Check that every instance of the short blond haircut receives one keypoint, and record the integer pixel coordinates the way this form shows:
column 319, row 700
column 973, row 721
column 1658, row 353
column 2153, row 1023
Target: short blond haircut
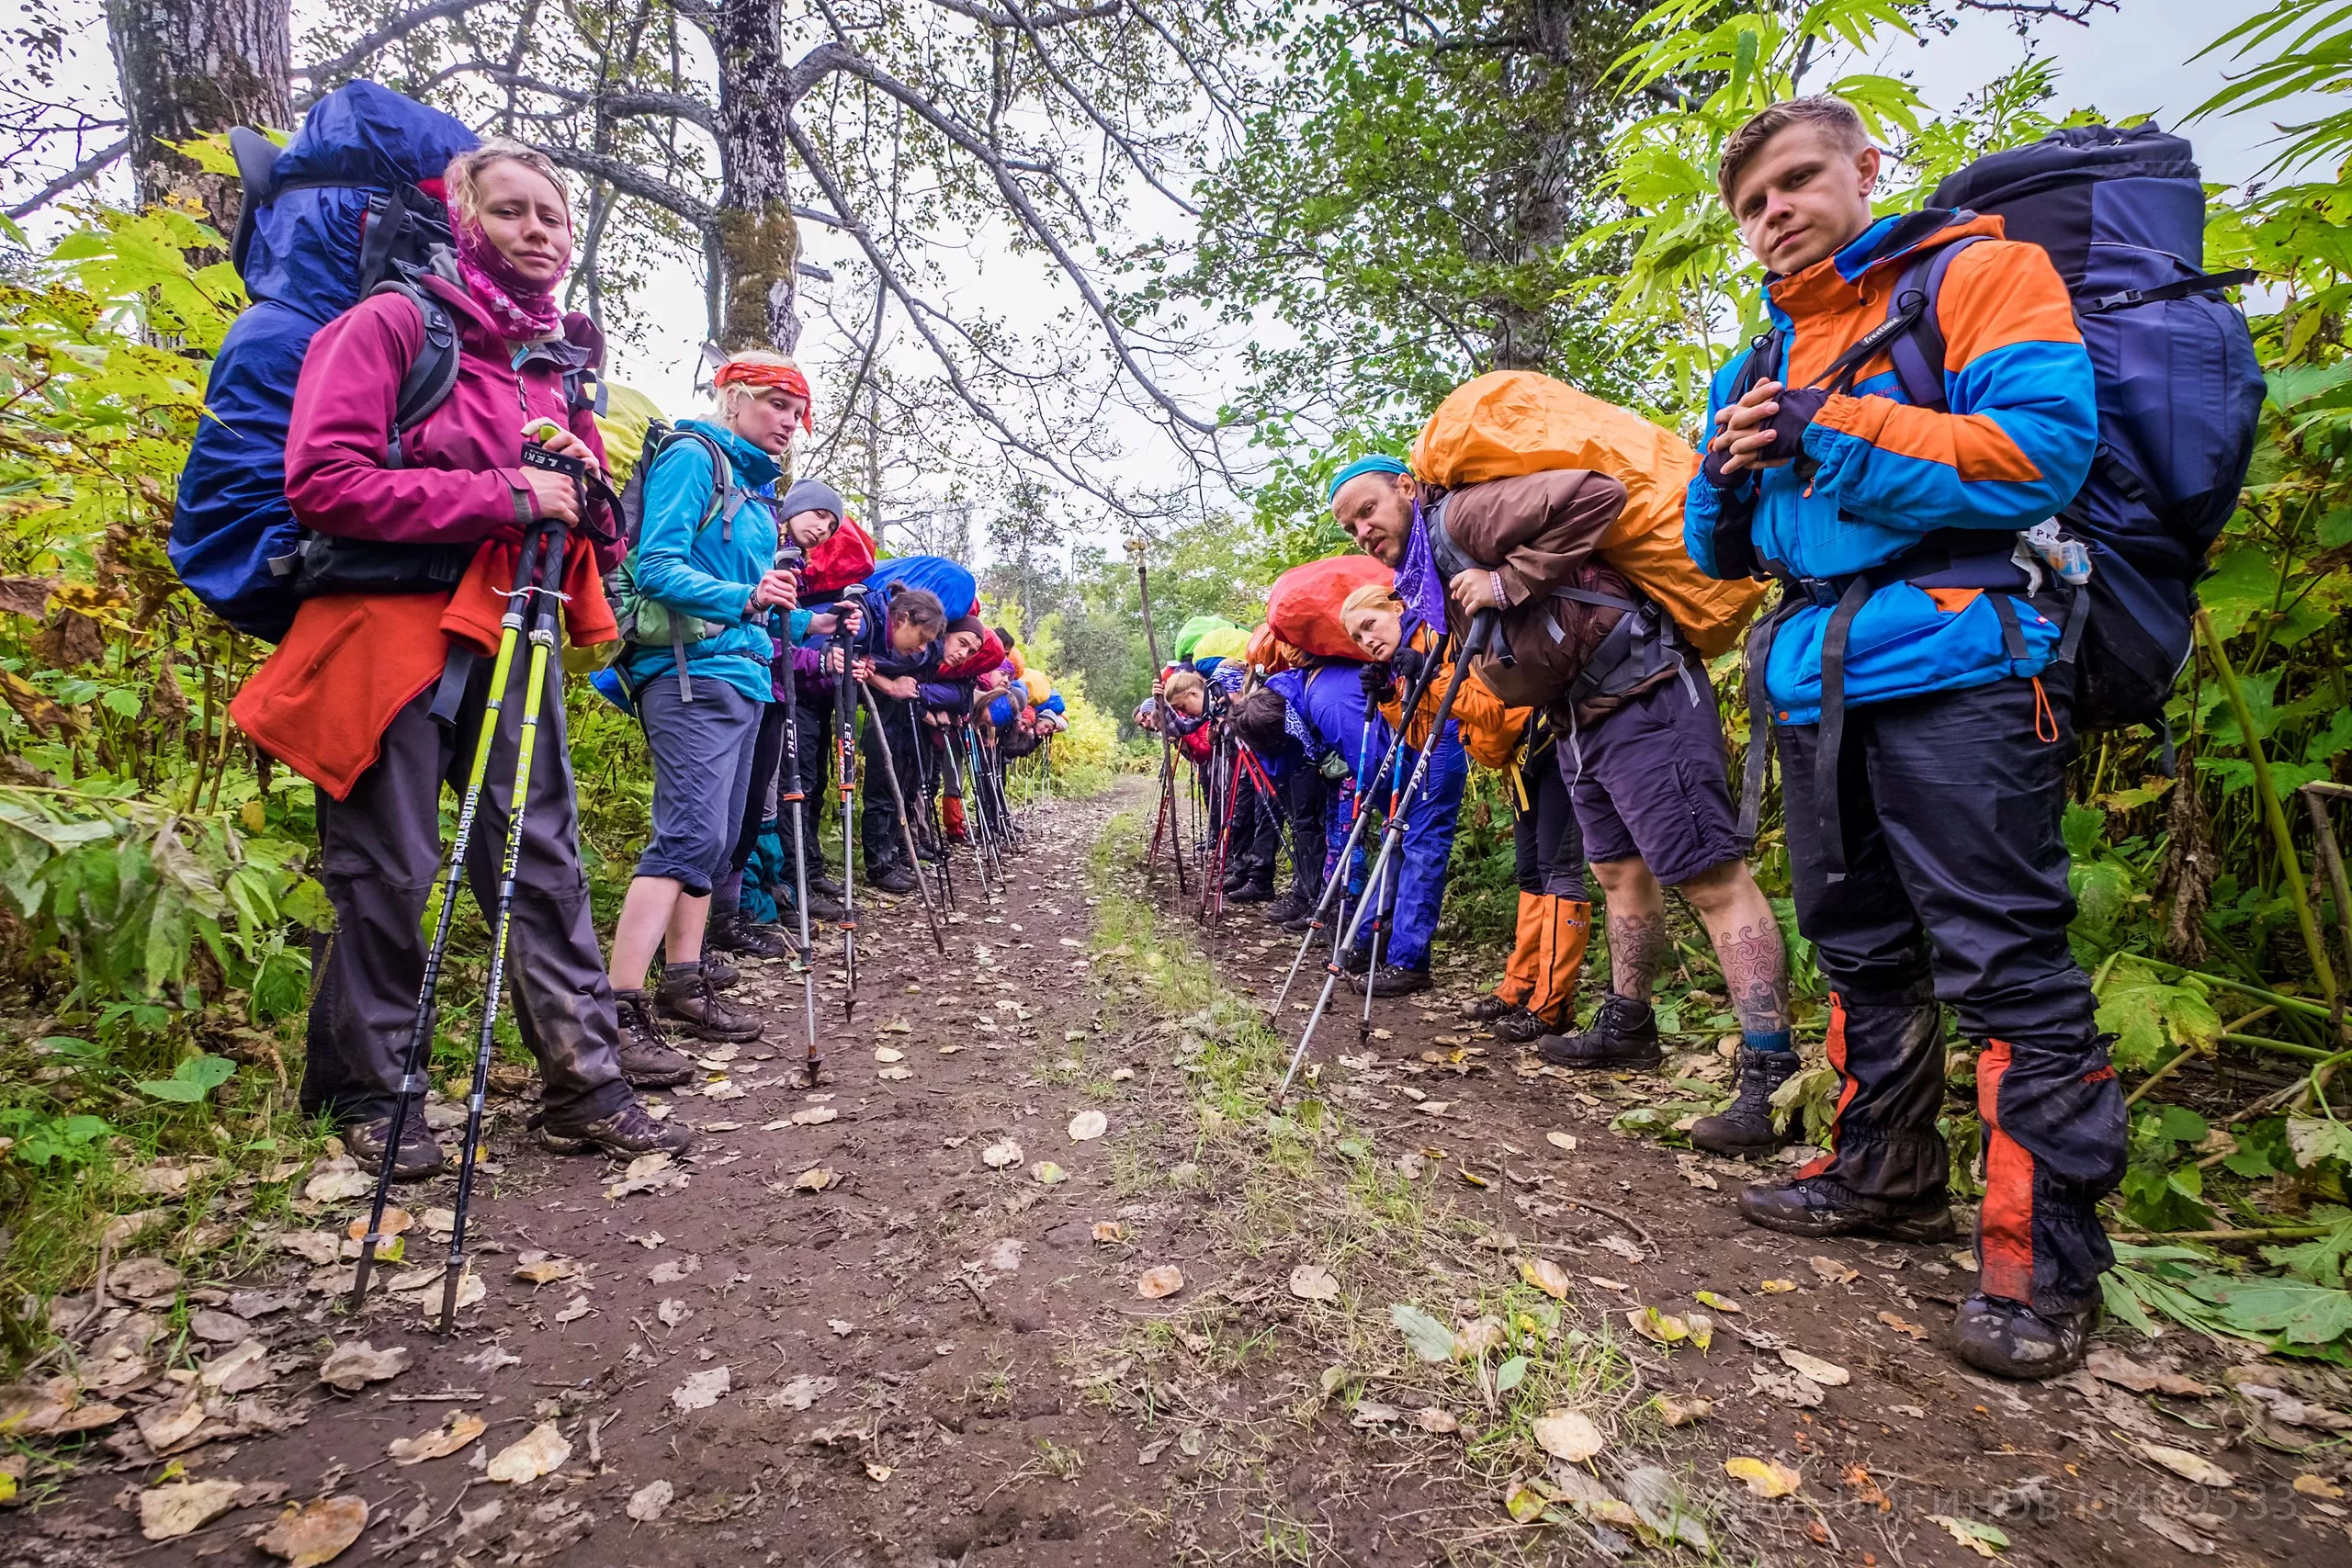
column 1371, row 596
column 460, row 182
column 1833, row 114
column 1185, row 680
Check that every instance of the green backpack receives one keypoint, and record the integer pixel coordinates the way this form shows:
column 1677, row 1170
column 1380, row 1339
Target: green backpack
column 646, row 621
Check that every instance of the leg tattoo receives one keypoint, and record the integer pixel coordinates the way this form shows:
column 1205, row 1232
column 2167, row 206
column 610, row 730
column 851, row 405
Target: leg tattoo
column 1637, row 949
column 1756, row 974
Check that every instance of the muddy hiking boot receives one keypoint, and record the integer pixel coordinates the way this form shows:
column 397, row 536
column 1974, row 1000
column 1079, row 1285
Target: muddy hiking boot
column 1524, row 1026
column 1393, row 980
column 693, row 1000
column 625, row 1134
column 1256, row 889
column 1816, row 1206
column 1744, row 1126
column 1624, row 1034
column 1288, row 907
column 1488, row 1008
column 648, row 1059
column 420, row 1153
column 735, row 934
column 2011, row 1339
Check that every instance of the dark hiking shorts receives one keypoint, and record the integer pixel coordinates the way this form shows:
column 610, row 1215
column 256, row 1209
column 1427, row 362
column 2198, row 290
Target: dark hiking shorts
column 1652, row 780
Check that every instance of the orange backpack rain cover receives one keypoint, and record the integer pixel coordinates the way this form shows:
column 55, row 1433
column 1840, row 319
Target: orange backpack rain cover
column 1509, row 422
column 1303, row 606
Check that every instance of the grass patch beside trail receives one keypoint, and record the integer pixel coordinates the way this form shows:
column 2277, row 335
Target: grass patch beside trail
column 1360, row 1304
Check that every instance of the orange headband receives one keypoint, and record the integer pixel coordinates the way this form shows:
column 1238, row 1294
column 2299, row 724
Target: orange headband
column 783, row 376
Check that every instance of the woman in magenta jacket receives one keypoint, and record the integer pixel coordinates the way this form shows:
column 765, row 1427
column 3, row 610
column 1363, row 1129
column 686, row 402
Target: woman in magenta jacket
column 373, row 697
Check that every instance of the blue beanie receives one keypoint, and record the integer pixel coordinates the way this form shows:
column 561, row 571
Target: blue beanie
column 811, row 495
column 1378, row 463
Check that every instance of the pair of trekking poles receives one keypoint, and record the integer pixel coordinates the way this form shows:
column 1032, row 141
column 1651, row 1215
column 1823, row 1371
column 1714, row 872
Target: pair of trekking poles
column 1392, row 835
column 531, row 617
column 848, row 690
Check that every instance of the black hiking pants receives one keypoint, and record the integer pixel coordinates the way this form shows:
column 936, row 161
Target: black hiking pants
column 380, row 856
column 1956, row 895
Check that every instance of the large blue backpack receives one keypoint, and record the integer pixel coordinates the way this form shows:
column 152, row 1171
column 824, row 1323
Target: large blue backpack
column 952, row 581
column 331, row 219
column 2121, row 213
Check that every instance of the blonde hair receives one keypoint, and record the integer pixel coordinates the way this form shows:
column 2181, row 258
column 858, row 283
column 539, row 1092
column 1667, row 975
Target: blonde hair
column 1834, row 116
column 730, row 397
column 1185, row 680
column 1371, row 596
column 461, row 180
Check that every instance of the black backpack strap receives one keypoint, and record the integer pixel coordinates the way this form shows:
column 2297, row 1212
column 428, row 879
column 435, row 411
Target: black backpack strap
column 426, row 383
column 2202, row 283
column 1911, row 334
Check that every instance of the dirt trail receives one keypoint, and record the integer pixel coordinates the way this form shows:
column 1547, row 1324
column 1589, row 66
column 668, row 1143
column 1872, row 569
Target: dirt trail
column 930, row 1356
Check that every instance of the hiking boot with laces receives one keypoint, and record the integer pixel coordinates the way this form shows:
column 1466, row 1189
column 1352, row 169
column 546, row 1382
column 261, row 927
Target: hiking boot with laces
column 1356, row 960
column 625, row 1134
column 2011, row 1339
column 419, row 1154
column 693, row 1000
column 1524, row 1026
column 736, row 934
column 822, row 880
column 648, row 1059
column 894, row 879
column 1258, row 889
column 1289, row 907
column 824, row 905
column 1744, row 1126
column 1393, row 980
column 1488, row 1008
column 1624, row 1034
column 1816, row 1206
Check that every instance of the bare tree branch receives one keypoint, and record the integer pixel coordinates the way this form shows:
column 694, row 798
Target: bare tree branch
column 1049, row 16
column 391, row 32
column 87, row 169
column 822, row 174
column 1034, row 221
column 630, row 180
column 1117, row 137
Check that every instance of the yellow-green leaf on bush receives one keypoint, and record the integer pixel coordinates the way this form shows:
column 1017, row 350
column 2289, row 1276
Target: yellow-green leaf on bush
column 2146, row 1013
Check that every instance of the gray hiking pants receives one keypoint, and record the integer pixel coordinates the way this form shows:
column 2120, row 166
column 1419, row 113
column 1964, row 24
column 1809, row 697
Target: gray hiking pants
column 381, row 855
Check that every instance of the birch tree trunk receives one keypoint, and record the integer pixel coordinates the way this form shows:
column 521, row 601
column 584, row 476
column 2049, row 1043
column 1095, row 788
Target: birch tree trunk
column 753, row 241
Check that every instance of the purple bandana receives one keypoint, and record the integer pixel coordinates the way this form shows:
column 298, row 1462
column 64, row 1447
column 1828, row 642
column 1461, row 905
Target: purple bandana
column 1418, row 582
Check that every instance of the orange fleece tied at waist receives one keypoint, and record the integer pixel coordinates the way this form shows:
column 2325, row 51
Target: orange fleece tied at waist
column 322, row 702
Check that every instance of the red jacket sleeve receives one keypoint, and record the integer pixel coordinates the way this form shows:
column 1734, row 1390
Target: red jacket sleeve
column 335, row 476
column 1198, row 745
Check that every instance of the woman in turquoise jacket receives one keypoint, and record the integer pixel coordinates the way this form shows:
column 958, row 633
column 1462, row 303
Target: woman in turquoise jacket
column 703, row 584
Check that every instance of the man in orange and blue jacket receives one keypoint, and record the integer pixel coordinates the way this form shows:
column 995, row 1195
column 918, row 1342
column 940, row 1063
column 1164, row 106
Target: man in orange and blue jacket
column 1922, row 708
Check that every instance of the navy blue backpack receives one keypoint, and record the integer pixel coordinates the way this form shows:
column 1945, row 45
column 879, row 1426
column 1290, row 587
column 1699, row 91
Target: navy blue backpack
column 2121, row 213
column 335, row 215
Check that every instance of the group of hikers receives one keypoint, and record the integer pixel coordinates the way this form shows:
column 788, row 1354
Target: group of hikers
column 1973, row 452
column 445, row 468
column 1981, row 550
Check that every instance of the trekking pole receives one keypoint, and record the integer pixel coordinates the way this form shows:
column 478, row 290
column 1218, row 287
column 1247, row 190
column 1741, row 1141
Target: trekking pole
column 898, row 801
column 935, row 817
column 1392, row 833
column 845, row 767
column 789, row 556
column 542, row 634
column 421, row 1027
column 975, row 822
column 1335, row 884
column 1167, row 745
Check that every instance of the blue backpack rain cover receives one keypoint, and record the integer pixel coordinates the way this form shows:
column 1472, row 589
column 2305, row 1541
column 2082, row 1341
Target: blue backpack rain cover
column 958, row 591
column 2122, row 214
column 322, row 225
